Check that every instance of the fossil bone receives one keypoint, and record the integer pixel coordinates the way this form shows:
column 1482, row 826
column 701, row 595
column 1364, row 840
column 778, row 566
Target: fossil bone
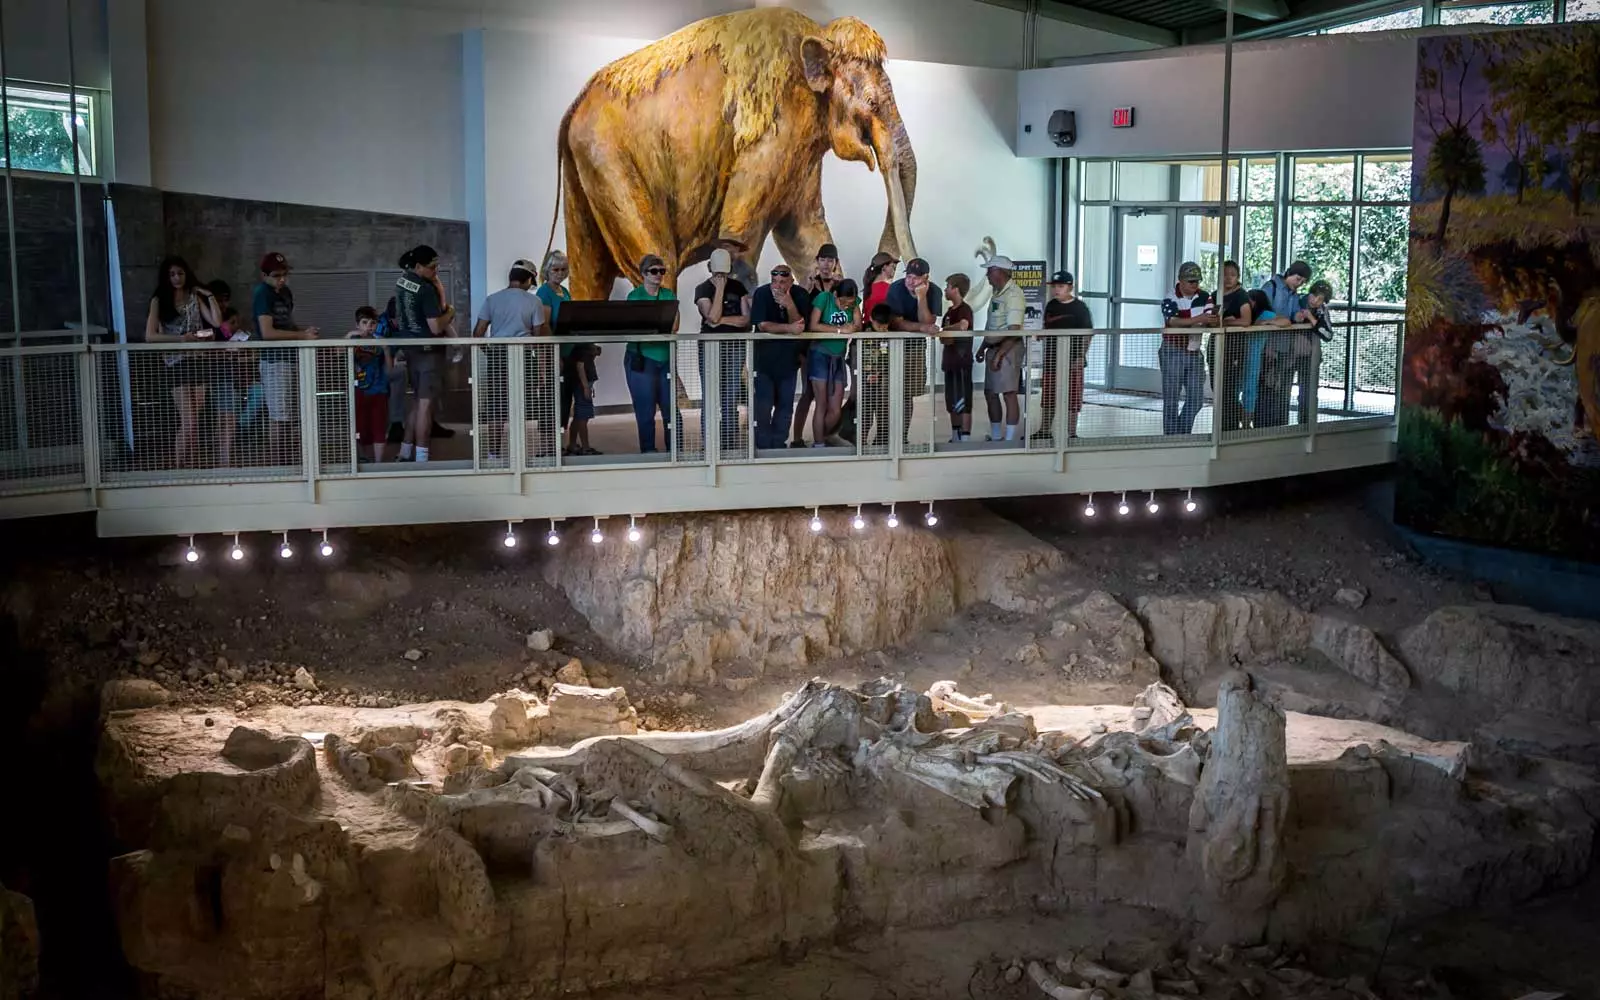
column 1053, row 987
column 656, row 829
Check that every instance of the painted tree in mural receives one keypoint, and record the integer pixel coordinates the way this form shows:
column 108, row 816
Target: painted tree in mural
column 1455, row 161
column 1550, row 85
column 1506, row 122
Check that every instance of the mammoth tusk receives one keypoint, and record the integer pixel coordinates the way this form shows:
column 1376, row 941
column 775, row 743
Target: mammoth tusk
column 1084, row 968
column 1569, row 359
column 986, row 249
column 657, row 830
column 1054, row 988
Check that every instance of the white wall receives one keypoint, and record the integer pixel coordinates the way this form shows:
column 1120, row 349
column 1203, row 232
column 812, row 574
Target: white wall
column 1329, row 92
column 970, row 184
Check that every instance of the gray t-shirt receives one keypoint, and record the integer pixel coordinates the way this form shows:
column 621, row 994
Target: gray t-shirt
column 512, row 312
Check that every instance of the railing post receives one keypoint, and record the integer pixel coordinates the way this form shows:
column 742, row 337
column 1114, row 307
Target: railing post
column 711, row 405
column 475, row 382
column 350, row 410
column 1399, row 367
column 1219, row 365
column 1314, row 388
column 749, row 377
column 897, row 404
column 1062, row 419
column 517, row 415
column 310, row 446
column 88, row 417
column 670, row 415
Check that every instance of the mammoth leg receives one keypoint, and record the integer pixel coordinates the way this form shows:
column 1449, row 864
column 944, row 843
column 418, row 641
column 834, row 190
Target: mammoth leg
column 593, row 269
column 802, row 232
column 625, row 210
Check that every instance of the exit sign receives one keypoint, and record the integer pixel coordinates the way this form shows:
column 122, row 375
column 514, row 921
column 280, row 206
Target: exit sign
column 1122, row 118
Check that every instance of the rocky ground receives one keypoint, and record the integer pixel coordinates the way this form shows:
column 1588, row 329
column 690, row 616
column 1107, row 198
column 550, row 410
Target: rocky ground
column 412, row 615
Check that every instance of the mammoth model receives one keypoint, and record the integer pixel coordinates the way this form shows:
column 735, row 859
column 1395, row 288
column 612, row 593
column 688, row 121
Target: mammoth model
column 715, row 135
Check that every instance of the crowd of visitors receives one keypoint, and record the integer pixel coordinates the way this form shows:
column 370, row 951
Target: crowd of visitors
column 837, row 387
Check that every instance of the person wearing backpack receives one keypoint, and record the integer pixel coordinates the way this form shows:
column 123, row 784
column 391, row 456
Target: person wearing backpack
column 1282, row 293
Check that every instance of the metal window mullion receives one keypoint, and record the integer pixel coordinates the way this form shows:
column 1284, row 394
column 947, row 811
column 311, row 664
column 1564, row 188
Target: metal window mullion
column 11, row 212
column 1350, row 308
column 309, row 444
column 77, row 177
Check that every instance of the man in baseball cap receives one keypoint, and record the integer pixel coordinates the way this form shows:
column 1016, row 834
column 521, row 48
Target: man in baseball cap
column 724, row 304
column 1002, row 350
column 272, row 309
column 1183, row 368
column 915, row 305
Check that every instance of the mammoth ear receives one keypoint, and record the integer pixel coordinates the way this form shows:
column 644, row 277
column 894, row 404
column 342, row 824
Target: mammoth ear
column 816, row 57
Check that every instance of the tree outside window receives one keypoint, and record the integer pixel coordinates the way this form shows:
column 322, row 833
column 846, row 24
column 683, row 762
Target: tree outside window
column 41, row 123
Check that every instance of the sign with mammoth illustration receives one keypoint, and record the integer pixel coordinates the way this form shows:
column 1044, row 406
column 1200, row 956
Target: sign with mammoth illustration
column 715, row 135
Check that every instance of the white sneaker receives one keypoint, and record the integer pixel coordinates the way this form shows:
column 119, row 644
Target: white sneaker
column 835, row 441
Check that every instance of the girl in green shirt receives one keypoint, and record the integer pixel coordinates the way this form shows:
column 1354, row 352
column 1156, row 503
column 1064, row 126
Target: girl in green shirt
column 838, row 311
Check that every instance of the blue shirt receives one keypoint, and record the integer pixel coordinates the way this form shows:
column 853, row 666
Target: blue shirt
column 1283, row 299
column 372, row 378
column 279, row 304
column 904, row 304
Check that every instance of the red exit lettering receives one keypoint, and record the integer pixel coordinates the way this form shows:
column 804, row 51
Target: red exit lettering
column 1122, row 118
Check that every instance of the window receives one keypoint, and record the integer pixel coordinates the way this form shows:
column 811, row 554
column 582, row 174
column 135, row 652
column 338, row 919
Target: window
column 41, row 124
column 1583, row 10
column 1536, row 12
column 1395, row 21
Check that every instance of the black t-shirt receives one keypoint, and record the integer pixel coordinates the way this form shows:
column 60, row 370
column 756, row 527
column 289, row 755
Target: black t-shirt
column 775, row 356
column 1072, row 315
column 1233, row 302
column 733, row 294
column 416, row 301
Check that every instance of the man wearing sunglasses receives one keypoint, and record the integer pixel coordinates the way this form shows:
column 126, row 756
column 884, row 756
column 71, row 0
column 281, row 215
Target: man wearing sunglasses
column 780, row 307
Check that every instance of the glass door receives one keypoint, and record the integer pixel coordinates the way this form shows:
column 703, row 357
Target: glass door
column 1145, row 266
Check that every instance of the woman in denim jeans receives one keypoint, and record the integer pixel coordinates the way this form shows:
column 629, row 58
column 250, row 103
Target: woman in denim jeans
column 648, row 365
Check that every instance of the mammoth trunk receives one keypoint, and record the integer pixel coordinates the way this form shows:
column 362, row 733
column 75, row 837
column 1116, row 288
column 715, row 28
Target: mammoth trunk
column 892, row 146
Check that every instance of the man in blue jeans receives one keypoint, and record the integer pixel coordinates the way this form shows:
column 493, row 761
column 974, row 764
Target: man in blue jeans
column 1183, row 367
column 724, row 306
column 780, row 307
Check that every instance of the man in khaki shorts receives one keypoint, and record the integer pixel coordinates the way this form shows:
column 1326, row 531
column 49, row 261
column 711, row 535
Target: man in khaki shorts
column 1002, row 351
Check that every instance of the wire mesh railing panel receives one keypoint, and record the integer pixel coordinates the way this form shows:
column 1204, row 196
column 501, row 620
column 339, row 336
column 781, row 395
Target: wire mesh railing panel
column 41, row 423
column 1001, row 366
column 1275, row 376
column 1042, row 378
column 951, row 422
column 1150, row 397
column 873, row 424
column 920, row 402
column 1373, row 389
column 183, row 414
column 491, row 405
column 541, row 413
column 730, row 359
column 340, row 372
column 685, row 394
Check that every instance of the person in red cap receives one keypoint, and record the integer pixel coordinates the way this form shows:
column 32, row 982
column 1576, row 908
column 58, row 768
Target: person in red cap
column 272, row 306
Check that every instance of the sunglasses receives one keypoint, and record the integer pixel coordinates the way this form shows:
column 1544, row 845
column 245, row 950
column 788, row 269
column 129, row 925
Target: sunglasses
column 655, row 270
column 782, row 274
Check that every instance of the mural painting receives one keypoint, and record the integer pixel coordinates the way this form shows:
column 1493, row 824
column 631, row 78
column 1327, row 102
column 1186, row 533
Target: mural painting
column 1501, row 388
column 714, row 137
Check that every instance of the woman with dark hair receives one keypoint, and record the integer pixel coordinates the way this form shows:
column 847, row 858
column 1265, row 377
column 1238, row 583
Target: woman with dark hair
column 183, row 310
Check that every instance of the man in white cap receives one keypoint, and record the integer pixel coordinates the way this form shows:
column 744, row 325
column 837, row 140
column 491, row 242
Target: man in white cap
column 1002, row 350
column 514, row 311
column 724, row 304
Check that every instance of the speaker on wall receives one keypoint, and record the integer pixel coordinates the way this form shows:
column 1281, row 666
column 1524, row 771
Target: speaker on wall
column 1063, row 127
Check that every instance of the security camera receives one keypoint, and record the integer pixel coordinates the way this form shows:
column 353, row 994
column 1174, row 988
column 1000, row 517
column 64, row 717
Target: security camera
column 1063, row 127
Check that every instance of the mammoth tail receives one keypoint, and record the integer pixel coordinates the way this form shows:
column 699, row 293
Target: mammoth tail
column 561, row 161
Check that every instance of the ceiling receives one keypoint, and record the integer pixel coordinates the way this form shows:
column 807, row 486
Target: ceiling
column 1178, row 22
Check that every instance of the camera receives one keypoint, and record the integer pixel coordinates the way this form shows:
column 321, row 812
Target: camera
column 1063, row 127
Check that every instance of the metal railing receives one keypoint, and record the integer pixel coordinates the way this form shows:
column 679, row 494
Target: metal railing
column 106, row 416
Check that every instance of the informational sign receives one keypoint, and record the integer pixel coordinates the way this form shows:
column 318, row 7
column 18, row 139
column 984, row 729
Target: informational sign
column 1147, row 257
column 1029, row 276
column 1122, row 118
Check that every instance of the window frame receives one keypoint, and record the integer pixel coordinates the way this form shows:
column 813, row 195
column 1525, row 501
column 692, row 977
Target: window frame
column 90, row 102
